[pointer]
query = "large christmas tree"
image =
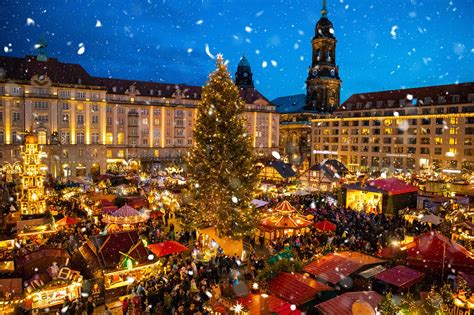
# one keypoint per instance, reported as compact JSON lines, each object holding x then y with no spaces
{"x":223,"y":177}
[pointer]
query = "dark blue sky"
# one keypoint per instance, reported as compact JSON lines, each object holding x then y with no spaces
{"x":381,"y":44}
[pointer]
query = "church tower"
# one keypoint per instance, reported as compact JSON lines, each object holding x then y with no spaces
{"x":323,"y":84}
{"x":243,"y":76}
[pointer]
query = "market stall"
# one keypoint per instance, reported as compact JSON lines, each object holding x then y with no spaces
{"x":296,"y":288}
{"x":167,"y":248}
{"x":266,"y":304}
{"x":117,"y":259}
{"x":399,"y":278}
{"x":435,"y":252}
{"x":364,"y":301}
{"x":335,"y":268}
{"x":382,"y":195}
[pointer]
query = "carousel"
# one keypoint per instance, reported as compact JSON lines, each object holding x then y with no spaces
{"x":284,"y":220}
{"x":125,"y":217}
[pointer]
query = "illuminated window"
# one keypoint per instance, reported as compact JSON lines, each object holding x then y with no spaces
{"x":453,"y":140}
{"x":120,"y":138}
{"x":326,"y":132}
{"x":109,"y":153}
{"x":453,"y":131}
{"x":80,"y":107}
{"x":109,"y":139}
{"x":454,"y":120}
{"x":120,"y":154}
{"x":438,"y":140}
{"x":453,"y":151}
{"x":365,"y":131}
{"x":387,"y":131}
{"x":156,"y":153}
{"x":387,"y":122}
{"x":42,"y":137}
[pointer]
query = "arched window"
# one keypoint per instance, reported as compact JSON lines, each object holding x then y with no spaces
{"x":42,"y":137}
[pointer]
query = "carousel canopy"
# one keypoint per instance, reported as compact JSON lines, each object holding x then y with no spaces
{"x":125,"y":215}
{"x":343,"y":304}
{"x":434,"y":251}
{"x":167,"y":248}
{"x":284,"y":217}
{"x":68,"y":221}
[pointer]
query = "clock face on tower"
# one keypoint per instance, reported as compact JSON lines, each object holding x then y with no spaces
{"x":315,"y":72}
{"x":246,"y":74}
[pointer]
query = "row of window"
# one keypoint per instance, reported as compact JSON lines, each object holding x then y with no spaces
{"x":442,"y":99}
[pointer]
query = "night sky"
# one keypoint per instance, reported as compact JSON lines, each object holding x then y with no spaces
{"x":381,"y":44}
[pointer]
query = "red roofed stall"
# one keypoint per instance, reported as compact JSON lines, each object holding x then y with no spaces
{"x":335,"y":267}
{"x":296,"y":288}
{"x":344,"y":303}
{"x":434,"y":251}
{"x":400,"y":277}
{"x":260,"y":303}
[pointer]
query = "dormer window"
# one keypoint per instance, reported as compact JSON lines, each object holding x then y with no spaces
{"x":79,"y":81}
{"x":455,"y":98}
{"x":390,"y":103}
{"x":114,"y":89}
{"x":427,"y":100}
{"x":441,"y":99}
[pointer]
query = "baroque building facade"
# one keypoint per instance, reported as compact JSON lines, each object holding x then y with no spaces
{"x":417,"y":130}
{"x":87,"y":123}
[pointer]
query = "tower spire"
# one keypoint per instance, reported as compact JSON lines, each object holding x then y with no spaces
{"x":324,"y":10}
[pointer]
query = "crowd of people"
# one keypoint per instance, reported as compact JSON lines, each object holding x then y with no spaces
{"x":185,"y":284}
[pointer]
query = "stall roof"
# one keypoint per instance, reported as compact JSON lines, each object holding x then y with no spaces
{"x":400,"y":276}
{"x":342,"y":304}
{"x":41,"y":259}
{"x":432,"y":250}
{"x":369,"y":273}
{"x":392,"y":186}
{"x":337,"y":266}
{"x":276,"y":305}
{"x":284,"y":169}
{"x":107,"y":248}
{"x":295,"y":288}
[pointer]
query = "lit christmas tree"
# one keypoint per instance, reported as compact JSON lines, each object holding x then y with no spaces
{"x":222,"y":163}
{"x":32,"y":198}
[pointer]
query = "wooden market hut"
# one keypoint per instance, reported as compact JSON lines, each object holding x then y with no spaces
{"x":112,"y":259}
{"x":381,"y":195}
{"x":283,"y":220}
{"x":364,"y":301}
{"x":397,"y":279}
{"x":278,"y":171}
{"x":336,"y":268}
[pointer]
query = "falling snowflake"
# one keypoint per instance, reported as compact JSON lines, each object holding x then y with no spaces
{"x":208,"y":52}
{"x":235,"y":199}
{"x":274,"y":63}
{"x":199,"y":22}
{"x":393,"y":31}
{"x":30,"y":22}
{"x":259,"y":13}
{"x":82,"y":49}
{"x":98,"y":23}
{"x":264,"y":64}
{"x":248,"y":29}
{"x":190,"y":50}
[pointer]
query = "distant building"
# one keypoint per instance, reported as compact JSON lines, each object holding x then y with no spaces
{"x":417,"y":130}
{"x":87,"y":124}
{"x":322,"y":94}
